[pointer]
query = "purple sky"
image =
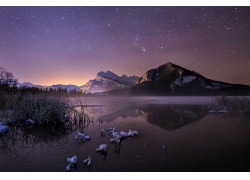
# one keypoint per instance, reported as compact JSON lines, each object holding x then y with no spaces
{"x":70,"y":45}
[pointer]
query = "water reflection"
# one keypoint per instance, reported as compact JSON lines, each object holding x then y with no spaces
{"x":122,"y":111}
{"x":19,"y":143}
{"x":172,"y":117}
{"x":22,"y":142}
{"x":168,"y":117}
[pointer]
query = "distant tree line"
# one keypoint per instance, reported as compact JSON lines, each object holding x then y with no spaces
{"x":49,"y":90}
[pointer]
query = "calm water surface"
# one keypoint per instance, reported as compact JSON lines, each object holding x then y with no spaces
{"x":173,"y":137}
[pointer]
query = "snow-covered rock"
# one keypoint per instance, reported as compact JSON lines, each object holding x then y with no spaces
{"x":3,"y":128}
{"x":30,"y":122}
{"x":116,"y":137}
{"x":124,"y":134}
{"x":132,"y":133}
{"x":68,"y":167}
{"x":102,"y":132}
{"x":87,"y":137}
{"x":111,"y":130}
{"x":102,"y":147}
{"x":72,"y":160}
{"x":87,"y":161}
{"x":82,"y":136}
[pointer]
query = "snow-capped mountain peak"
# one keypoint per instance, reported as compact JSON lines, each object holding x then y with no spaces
{"x":28,"y":84}
{"x":106,"y":81}
{"x":107,"y":75}
{"x":69,"y":87}
{"x":55,"y":86}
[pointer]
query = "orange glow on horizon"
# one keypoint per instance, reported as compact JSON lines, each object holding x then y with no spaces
{"x":52,"y":81}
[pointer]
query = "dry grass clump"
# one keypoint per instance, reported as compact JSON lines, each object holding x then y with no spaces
{"x":40,"y":108}
{"x":232,"y":104}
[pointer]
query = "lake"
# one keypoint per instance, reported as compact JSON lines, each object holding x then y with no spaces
{"x":175,"y":134}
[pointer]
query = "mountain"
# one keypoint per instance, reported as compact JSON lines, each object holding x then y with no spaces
{"x":107,"y":81}
{"x":68,"y":87}
{"x":171,"y":79}
{"x":104,"y":81}
{"x":28,"y":84}
{"x":55,"y":86}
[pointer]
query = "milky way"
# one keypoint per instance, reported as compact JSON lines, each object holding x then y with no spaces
{"x":70,"y":45}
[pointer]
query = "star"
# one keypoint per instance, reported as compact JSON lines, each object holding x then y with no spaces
{"x":73,"y":44}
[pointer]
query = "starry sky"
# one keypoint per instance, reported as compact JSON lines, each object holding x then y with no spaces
{"x":70,"y":44}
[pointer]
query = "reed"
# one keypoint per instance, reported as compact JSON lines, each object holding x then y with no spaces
{"x":41,"y":108}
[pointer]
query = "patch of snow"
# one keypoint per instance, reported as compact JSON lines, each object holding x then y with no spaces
{"x":3,"y":129}
{"x":218,"y":111}
{"x":87,"y":161}
{"x":102,"y":147}
{"x":220,"y":85}
{"x":182,"y":80}
{"x":209,"y":87}
{"x":72,"y":160}
{"x":215,"y":85}
{"x":30,"y":121}
{"x":188,"y":79}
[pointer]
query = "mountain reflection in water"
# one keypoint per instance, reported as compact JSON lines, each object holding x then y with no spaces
{"x":172,"y":117}
{"x":168,"y":117}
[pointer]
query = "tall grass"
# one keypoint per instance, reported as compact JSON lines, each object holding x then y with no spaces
{"x":41,"y":108}
{"x":232,"y":104}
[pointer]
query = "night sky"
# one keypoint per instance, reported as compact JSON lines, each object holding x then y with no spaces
{"x":70,"y":45}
